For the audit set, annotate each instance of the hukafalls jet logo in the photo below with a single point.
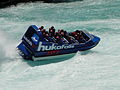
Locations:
(53, 47)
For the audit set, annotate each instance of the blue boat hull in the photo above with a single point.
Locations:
(45, 49)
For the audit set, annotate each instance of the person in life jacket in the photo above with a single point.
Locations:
(58, 38)
(59, 30)
(52, 31)
(62, 32)
(42, 27)
(74, 33)
(43, 31)
(65, 36)
(68, 38)
(47, 37)
(79, 37)
(74, 36)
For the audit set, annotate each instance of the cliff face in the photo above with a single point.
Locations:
(6, 3)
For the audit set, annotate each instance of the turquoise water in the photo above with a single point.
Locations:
(96, 69)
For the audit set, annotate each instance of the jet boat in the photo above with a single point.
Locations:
(34, 47)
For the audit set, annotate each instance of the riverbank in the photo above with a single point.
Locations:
(7, 3)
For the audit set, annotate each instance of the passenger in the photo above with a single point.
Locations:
(77, 32)
(58, 38)
(42, 27)
(47, 37)
(46, 34)
(62, 32)
(78, 36)
(59, 30)
(65, 36)
(71, 39)
(52, 28)
(73, 34)
(52, 31)
(81, 39)
(43, 31)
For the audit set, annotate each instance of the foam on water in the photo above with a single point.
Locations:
(95, 69)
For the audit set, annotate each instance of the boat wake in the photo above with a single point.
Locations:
(7, 46)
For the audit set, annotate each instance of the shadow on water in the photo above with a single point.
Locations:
(48, 61)
(58, 59)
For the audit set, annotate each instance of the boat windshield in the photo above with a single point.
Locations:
(88, 34)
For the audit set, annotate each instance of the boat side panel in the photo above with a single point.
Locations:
(24, 52)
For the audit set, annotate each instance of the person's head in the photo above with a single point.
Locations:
(52, 27)
(41, 27)
(46, 34)
(59, 30)
(76, 36)
(43, 33)
(57, 36)
(43, 30)
(70, 38)
(62, 33)
(51, 30)
(77, 32)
